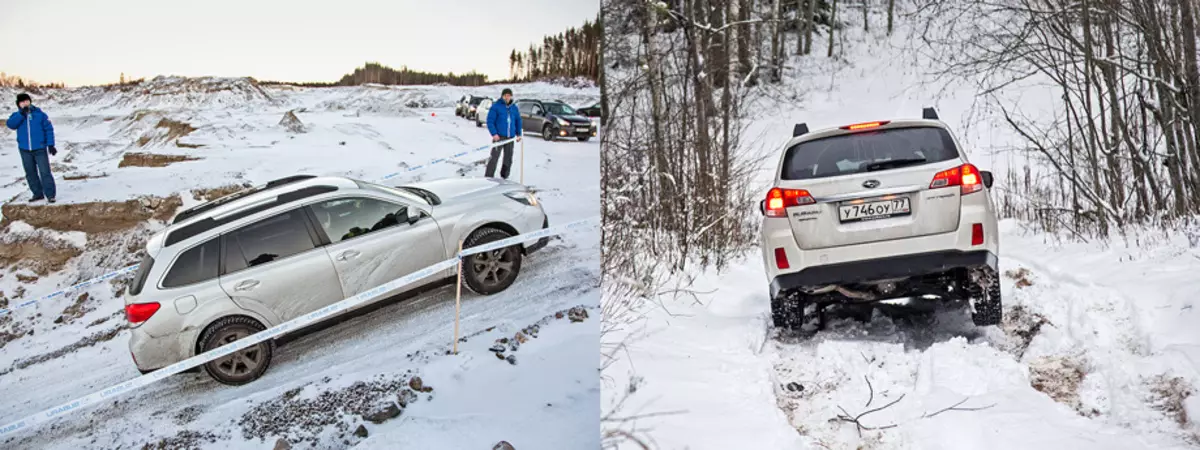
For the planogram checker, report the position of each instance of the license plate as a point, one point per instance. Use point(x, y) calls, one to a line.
point(583, 129)
point(874, 210)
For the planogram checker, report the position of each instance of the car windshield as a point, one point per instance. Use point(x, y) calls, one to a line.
point(867, 151)
point(559, 109)
point(476, 100)
point(408, 193)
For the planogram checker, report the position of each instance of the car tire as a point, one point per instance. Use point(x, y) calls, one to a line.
point(547, 133)
point(478, 124)
point(584, 138)
point(787, 311)
point(493, 271)
point(242, 366)
point(987, 307)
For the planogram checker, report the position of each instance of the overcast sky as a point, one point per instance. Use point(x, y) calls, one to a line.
point(89, 41)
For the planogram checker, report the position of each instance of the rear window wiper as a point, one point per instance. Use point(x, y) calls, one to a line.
point(894, 163)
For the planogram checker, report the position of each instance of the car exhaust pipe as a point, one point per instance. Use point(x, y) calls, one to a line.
point(864, 296)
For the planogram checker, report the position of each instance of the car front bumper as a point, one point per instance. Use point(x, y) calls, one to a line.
point(589, 130)
point(529, 249)
point(902, 266)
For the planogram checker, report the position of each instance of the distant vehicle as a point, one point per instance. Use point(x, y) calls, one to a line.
point(555, 119)
point(481, 111)
point(886, 211)
point(591, 111)
point(473, 105)
point(460, 107)
point(246, 262)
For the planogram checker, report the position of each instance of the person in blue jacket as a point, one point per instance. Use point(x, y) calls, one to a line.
point(35, 138)
point(504, 122)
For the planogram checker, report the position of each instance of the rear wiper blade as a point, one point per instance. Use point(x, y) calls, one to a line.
point(894, 163)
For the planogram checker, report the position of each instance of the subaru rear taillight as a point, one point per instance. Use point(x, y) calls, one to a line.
point(779, 199)
point(140, 312)
point(966, 176)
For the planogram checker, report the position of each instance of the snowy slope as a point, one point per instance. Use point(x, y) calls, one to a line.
point(1099, 349)
point(320, 384)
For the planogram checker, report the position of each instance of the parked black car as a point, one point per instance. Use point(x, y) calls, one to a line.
point(590, 111)
point(466, 106)
point(473, 106)
point(555, 119)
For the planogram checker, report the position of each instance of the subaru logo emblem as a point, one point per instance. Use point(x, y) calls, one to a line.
point(871, 184)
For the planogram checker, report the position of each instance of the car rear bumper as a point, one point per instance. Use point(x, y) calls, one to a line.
point(867, 270)
point(151, 353)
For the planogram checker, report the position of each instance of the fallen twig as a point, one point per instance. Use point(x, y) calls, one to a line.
point(955, 407)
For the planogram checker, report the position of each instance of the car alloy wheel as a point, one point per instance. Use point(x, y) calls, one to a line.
point(493, 268)
point(241, 363)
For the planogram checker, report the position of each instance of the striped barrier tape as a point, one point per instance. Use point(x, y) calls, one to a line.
point(273, 332)
point(442, 160)
point(110, 275)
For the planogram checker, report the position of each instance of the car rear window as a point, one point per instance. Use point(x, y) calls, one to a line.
point(857, 152)
point(197, 264)
point(139, 278)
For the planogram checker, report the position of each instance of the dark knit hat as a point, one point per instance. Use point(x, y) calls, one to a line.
point(22, 97)
point(506, 91)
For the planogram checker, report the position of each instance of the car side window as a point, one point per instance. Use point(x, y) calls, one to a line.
point(525, 108)
point(537, 110)
point(348, 218)
point(267, 240)
point(194, 265)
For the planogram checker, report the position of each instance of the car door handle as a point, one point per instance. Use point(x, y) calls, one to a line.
point(246, 285)
point(348, 254)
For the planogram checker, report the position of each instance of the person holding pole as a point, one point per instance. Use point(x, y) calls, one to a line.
point(504, 122)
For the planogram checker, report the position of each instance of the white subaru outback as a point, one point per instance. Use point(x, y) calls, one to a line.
point(881, 211)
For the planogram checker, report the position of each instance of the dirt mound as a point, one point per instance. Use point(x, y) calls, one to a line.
point(39, 254)
point(94, 217)
point(165, 130)
point(152, 160)
point(1059, 377)
point(210, 194)
point(292, 123)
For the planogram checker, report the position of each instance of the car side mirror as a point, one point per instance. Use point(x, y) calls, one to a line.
point(987, 178)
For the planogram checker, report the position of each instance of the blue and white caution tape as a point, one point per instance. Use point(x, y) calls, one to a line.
point(442, 160)
point(108, 276)
point(274, 332)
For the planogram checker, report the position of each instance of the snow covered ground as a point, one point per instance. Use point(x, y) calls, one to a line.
point(319, 385)
point(1099, 349)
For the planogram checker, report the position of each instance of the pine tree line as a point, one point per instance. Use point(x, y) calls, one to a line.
point(570, 54)
point(373, 72)
point(13, 81)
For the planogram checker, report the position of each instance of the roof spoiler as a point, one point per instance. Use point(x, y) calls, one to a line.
point(929, 113)
point(799, 129)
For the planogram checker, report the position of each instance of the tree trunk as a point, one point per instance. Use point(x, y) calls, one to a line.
point(832, 27)
point(776, 31)
point(812, 26)
point(891, 11)
point(866, 23)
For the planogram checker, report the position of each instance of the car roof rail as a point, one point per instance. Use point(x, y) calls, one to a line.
point(929, 113)
point(209, 205)
point(208, 223)
point(799, 129)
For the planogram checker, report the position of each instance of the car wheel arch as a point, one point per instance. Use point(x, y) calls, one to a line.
point(195, 333)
